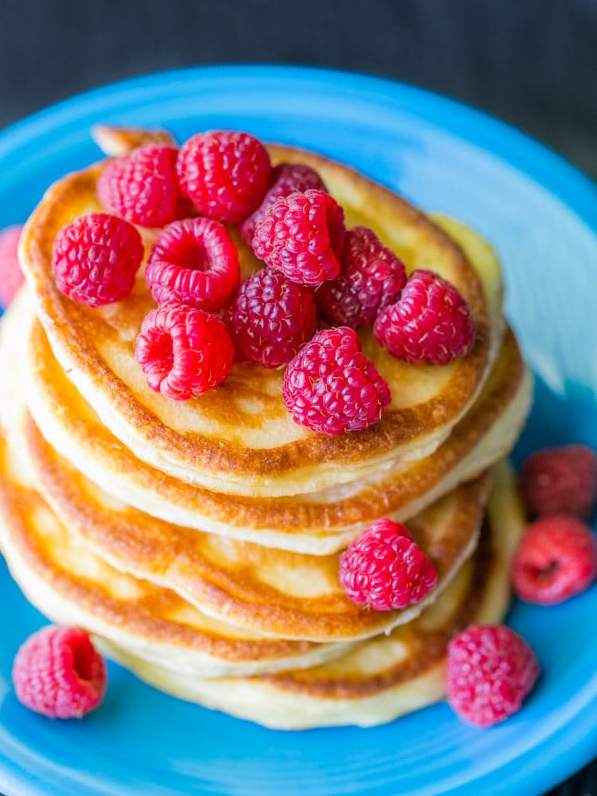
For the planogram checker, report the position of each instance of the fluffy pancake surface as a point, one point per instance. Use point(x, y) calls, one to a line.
point(319, 523)
point(239, 438)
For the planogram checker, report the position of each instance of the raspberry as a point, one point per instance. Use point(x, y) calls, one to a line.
point(560, 481)
point(301, 235)
point(556, 559)
point(58, 673)
point(430, 323)
point(96, 258)
point(11, 276)
point(385, 569)
point(193, 262)
point(183, 351)
point(271, 318)
point(331, 386)
point(286, 179)
point(372, 277)
point(491, 669)
point(142, 187)
point(224, 174)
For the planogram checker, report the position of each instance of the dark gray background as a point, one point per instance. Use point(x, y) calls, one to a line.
point(531, 62)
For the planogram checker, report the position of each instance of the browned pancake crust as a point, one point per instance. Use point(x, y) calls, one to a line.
point(77, 327)
point(291, 515)
point(145, 616)
point(426, 647)
point(232, 587)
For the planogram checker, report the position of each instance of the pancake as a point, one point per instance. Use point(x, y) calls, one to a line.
point(239, 438)
point(117, 141)
point(319, 523)
point(385, 677)
point(63, 578)
point(273, 592)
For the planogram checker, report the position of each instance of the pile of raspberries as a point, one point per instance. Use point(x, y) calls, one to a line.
point(317, 274)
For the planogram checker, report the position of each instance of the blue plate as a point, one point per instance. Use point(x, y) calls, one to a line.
point(542, 216)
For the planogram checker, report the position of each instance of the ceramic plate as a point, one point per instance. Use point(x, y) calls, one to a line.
point(541, 214)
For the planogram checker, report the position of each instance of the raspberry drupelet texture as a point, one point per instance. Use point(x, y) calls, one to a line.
point(183, 351)
point(193, 262)
point(142, 187)
point(490, 671)
point(302, 235)
point(286, 179)
point(11, 276)
point(330, 386)
point(560, 481)
point(371, 278)
point(556, 559)
point(96, 258)
point(385, 569)
point(271, 318)
point(430, 323)
point(58, 672)
point(224, 174)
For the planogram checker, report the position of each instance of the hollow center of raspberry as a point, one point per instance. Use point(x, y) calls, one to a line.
point(83, 660)
point(546, 573)
point(193, 256)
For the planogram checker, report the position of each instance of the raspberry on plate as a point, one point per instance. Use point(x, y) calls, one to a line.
point(302, 235)
point(58, 672)
point(371, 278)
point(142, 187)
point(271, 318)
point(286, 179)
point(194, 262)
point(556, 559)
point(560, 481)
point(330, 386)
point(385, 569)
point(96, 258)
point(11, 276)
point(490, 671)
point(225, 174)
point(183, 351)
point(430, 323)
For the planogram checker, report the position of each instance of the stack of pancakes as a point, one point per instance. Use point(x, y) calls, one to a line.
point(199, 542)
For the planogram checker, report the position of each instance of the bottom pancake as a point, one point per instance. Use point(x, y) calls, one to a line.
point(385, 677)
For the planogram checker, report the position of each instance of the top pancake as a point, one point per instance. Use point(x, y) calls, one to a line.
point(239, 438)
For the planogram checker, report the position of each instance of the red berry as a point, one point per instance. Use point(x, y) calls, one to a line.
point(385, 569)
point(301, 235)
point(183, 351)
point(58, 673)
point(331, 386)
point(556, 559)
point(271, 318)
point(193, 262)
point(286, 179)
point(11, 276)
point(430, 323)
point(142, 187)
point(224, 174)
point(560, 481)
point(96, 258)
point(490, 672)
point(372, 277)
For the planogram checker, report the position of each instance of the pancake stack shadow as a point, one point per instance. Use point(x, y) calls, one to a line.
point(199, 542)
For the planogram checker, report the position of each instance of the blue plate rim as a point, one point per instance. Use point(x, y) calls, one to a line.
point(541, 767)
